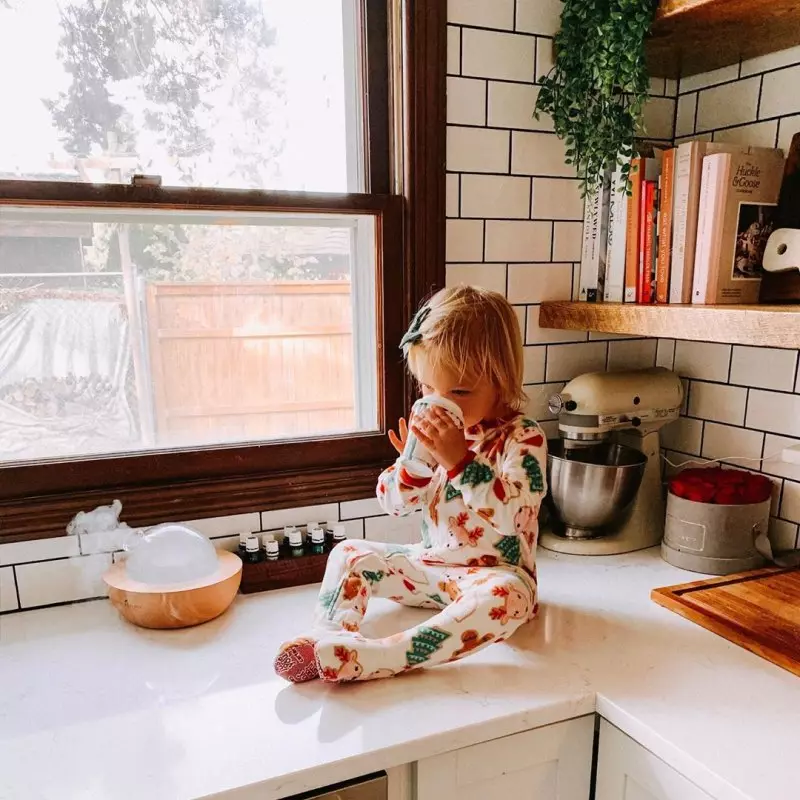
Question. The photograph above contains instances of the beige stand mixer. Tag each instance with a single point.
(604, 473)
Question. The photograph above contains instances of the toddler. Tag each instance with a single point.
(476, 563)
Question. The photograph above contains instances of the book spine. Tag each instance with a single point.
(602, 242)
(640, 250)
(706, 224)
(590, 252)
(665, 227)
(617, 237)
(648, 235)
(632, 231)
(680, 290)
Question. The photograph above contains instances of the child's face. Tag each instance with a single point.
(477, 401)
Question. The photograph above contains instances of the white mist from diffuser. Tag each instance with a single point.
(170, 553)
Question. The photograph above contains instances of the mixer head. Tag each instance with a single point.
(594, 405)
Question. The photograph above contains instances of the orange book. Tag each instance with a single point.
(632, 230)
(665, 227)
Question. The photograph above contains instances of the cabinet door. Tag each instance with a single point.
(550, 763)
(627, 771)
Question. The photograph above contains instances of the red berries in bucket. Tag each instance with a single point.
(725, 487)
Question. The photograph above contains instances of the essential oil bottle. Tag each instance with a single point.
(296, 543)
(339, 534)
(316, 546)
(253, 554)
(329, 535)
(285, 548)
(271, 549)
(242, 549)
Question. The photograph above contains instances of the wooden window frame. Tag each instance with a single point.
(406, 173)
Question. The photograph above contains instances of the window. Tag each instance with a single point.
(221, 337)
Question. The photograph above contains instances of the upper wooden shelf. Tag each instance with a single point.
(773, 326)
(692, 36)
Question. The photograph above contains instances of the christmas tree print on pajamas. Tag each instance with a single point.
(475, 565)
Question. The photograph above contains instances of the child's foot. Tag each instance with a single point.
(297, 662)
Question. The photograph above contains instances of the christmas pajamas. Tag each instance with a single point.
(475, 565)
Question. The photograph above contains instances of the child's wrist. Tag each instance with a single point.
(456, 469)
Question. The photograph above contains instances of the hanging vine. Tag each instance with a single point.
(597, 89)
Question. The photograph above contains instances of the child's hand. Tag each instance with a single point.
(441, 436)
(399, 442)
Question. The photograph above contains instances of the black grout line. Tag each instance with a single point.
(730, 365)
(739, 386)
(460, 50)
(796, 370)
(486, 103)
(508, 31)
(758, 104)
(696, 106)
(746, 404)
(553, 243)
(743, 78)
(483, 243)
(535, 58)
(16, 585)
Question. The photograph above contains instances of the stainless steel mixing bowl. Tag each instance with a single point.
(592, 487)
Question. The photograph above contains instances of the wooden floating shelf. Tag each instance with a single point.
(692, 36)
(772, 326)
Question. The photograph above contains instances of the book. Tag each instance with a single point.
(595, 236)
(738, 201)
(642, 168)
(617, 239)
(685, 210)
(647, 250)
(664, 258)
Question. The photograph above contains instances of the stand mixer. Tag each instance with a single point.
(605, 471)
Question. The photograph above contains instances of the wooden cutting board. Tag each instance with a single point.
(758, 610)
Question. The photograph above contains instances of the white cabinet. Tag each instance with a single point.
(627, 771)
(550, 763)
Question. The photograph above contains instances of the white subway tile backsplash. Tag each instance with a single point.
(354, 528)
(731, 104)
(787, 128)
(539, 154)
(504, 56)
(632, 354)
(764, 367)
(657, 117)
(464, 239)
(537, 400)
(556, 198)
(773, 463)
(782, 58)
(790, 501)
(567, 239)
(684, 121)
(565, 361)
(684, 435)
(231, 525)
(780, 94)
(496, 14)
(274, 520)
(777, 413)
(355, 509)
(536, 283)
(758, 134)
(48, 582)
(545, 57)
(8, 590)
(718, 403)
(703, 360)
(533, 362)
(488, 276)
(665, 354)
(657, 87)
(452, 195)
(671, 87)
(511, 106)
(466, 101)
(734, 445)
(703, 79)
(38, 550)
(499, 196)
(517, 241)
(453, 50)
(782, 534)
(539, 16)
(536, 335)
(397, 530)
(477, 150)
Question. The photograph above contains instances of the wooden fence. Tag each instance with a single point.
(250, 361)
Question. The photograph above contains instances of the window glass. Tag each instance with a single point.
(134, 330)
(259, 94)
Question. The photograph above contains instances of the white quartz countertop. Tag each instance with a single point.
(92, 708)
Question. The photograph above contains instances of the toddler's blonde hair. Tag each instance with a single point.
(473, 333)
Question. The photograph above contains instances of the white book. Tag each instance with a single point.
(595, 235)
(617, 240)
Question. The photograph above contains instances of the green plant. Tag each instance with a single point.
(597, 89)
